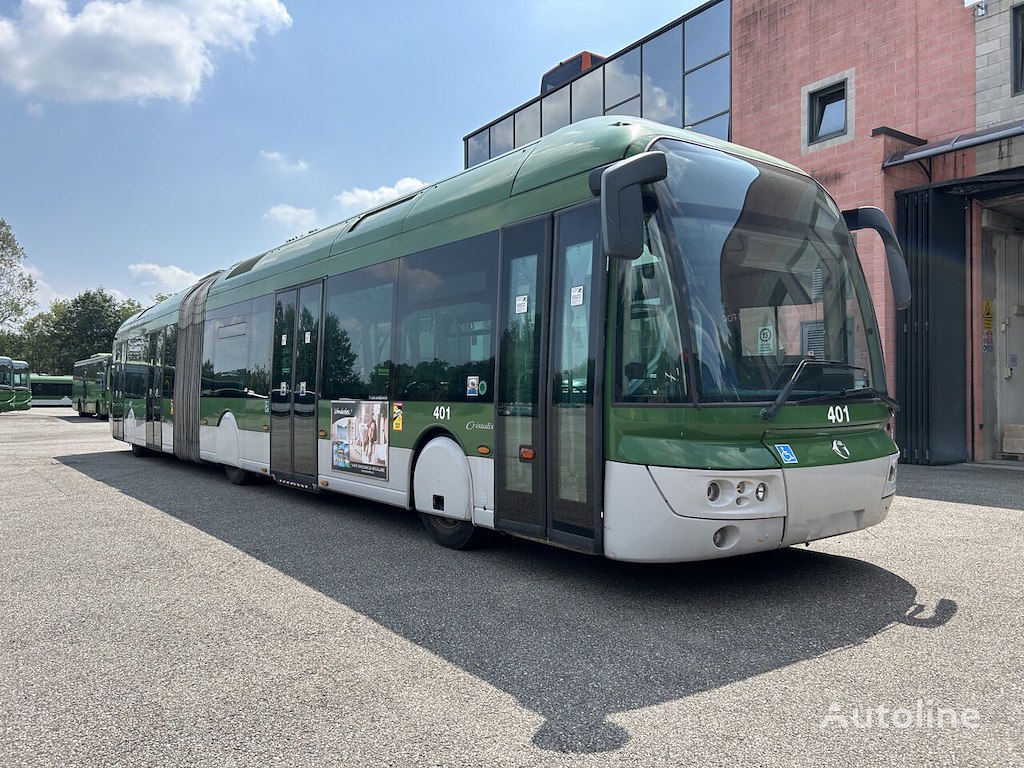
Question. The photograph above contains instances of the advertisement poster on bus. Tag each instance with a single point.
(359, 437)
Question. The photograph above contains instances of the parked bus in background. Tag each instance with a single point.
(623, 338)
(50, 390)
(566, 70)
(20, 381)
(90, 390)
(6, 384)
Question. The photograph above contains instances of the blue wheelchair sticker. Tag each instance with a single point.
(786, 454)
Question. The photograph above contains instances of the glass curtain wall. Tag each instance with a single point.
(679, 75)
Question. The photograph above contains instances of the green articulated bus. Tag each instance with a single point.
(90, 389)
(50, 389)
(623, 338)
(6, 384)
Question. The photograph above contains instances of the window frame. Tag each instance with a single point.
(1017, 39)
(817, 102)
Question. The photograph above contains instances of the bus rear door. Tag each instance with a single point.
(154, 400)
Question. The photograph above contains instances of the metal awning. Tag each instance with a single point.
(963, 141)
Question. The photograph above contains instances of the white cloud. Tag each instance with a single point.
(358, 199)
(45, 293)
(126, 51)
(123, 297)
(160, 279)
(297, 220)
(281, 162)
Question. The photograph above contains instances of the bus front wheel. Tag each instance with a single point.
(442, 483)
(453, 534)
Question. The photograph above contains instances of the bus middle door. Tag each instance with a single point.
(293, 395)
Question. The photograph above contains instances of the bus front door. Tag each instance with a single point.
(154, 399)
(117, 392)
(548, 447)
(293, 395)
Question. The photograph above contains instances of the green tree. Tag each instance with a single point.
(13, 344)
(73, 329)
(17, 287)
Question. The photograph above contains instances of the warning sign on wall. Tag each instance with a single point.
(986, 326)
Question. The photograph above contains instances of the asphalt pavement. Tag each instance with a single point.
(154, 614)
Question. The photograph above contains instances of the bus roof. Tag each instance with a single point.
(96, 356)
(568, 153)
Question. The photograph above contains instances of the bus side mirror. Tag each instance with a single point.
(622, 208)
(870, 217)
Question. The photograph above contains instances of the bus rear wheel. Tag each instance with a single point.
(237, 475)
(139, 451)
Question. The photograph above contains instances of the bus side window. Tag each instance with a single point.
(446, 316)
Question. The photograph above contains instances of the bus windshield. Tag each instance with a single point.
(770, 278)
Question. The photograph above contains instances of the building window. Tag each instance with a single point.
(622, 80)
(827, 111)
(1018, 50)
(501, 137)
(478, 148)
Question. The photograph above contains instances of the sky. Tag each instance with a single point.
(146, 143)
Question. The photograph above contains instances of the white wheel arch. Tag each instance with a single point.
(442, 483)
(227, 440)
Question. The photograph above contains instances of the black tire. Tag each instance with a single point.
(139, 451)
(453, 534)
(238, 476)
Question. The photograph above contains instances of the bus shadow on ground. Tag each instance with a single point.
(982, 485)
(74, 418)
(571, 637)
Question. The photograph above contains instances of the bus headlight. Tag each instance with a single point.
(714, 491)
(725, 537)
(762, 491)
(890, 480)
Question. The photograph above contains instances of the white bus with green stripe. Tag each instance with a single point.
(624, 339)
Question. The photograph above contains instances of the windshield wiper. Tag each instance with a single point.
(772, 410)
(852, 394)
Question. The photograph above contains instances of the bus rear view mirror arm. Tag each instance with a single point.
(870, 217)
(622, 209)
